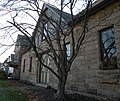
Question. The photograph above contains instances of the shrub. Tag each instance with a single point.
(3, 75)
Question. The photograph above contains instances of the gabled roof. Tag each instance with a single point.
(22, 45)
(56, 11)
(66, 16)
(22, 40)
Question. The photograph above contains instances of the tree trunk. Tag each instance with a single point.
(61, 87)
(61, 90)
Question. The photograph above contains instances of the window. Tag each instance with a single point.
(44, 70)
(30, 64)
(37, 40)
(48, 29)
(24, 65)
(45, 26)
(68, 50)
(108, 49)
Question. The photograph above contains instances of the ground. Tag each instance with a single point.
(36, 93)
(10, 93)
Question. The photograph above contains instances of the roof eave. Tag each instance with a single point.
(96, 8)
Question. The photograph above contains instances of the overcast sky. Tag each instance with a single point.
(8, 39)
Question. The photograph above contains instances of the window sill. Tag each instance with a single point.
(110, 82)
(42, 84)
(109, 71)
(108, 67)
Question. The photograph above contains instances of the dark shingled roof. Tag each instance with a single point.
(66, 16)
(23, 41)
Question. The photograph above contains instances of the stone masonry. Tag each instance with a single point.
(85, 75)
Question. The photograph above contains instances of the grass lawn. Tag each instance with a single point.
(10, 93)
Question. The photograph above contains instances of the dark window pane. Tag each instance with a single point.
(24, 65)
(30, 64)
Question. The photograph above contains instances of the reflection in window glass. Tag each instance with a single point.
(68, 49)
(108, 47)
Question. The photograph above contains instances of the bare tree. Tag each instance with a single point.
(55, 41)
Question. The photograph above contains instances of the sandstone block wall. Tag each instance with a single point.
(29, 75)
(85, 75)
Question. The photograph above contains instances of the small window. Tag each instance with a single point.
(45, 28)
(108, 49)
(30, 64)
(24, 65)
(68, 50)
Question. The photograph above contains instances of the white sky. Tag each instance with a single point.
(7, 39)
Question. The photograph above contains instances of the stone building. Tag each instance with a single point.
(39, 74)
(14, 60)
(95, 70)
(28, 67)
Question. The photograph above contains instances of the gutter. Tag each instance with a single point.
(100, 6)
(94, 9)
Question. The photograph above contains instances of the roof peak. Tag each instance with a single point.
(48, 4)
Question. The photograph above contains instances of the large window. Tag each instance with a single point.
(44, 70)
(108, 49)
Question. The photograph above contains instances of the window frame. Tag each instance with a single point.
(45, 27)
(24, 63)
(66, 44)
(108, 64)
(30, 66)
(44, 71)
